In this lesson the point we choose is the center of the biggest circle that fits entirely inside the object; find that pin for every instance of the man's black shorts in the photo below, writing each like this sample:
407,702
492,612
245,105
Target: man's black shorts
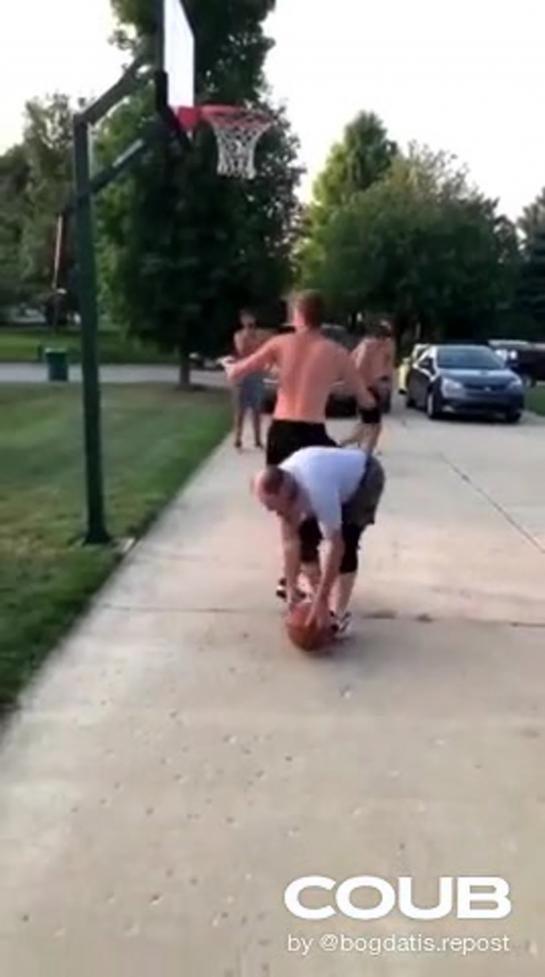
287,437
381,391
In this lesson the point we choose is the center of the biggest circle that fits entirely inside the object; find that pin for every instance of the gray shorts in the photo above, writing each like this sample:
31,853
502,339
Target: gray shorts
361,509
250,392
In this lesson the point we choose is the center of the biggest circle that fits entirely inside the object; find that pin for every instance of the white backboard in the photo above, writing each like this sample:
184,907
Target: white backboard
179,55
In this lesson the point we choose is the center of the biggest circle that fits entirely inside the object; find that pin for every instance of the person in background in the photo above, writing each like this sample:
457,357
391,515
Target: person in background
249,390
374,359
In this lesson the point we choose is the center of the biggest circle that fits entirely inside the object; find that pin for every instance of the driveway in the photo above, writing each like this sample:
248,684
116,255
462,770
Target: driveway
178,763
37,373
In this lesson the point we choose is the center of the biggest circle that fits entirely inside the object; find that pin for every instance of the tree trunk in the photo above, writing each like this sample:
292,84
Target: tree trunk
184,370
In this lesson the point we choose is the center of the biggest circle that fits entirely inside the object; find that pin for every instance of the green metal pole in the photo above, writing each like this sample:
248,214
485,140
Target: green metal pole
87,290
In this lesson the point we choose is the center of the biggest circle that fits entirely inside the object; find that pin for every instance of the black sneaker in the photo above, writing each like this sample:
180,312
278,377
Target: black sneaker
282,591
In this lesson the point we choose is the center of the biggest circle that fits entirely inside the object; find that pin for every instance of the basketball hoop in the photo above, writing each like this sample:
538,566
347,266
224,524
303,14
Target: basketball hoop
237,132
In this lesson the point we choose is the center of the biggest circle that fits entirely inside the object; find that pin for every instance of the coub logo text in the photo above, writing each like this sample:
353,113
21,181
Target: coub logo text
464,897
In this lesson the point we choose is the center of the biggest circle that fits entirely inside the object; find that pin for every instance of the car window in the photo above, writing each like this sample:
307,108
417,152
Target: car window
468,358
418,352
422,353
340,335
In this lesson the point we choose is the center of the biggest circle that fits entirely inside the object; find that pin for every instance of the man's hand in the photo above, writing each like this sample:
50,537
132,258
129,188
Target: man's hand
294,598
228,363
319,616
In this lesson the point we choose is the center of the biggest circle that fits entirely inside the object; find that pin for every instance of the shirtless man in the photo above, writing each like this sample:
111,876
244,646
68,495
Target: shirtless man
374,359
308,366
248,393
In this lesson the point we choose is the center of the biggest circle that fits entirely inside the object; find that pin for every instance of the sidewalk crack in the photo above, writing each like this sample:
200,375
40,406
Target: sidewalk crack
496,505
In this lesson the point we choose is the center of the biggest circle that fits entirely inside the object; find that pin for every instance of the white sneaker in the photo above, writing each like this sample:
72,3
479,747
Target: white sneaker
342,625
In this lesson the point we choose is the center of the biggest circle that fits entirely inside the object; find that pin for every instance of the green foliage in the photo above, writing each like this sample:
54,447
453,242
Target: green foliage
229,41
533,219
181,248
13,183
359,160
421,243
46,575
531,286
47,148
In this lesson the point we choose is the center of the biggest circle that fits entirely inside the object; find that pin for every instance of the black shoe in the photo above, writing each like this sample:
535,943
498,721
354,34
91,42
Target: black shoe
282,592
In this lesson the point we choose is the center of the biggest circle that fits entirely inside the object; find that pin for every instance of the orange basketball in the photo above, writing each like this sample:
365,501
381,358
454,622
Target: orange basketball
303,636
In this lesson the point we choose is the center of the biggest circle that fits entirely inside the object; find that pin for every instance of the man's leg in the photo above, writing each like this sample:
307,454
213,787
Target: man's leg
374,437
344,585
358,515
239,412
374,430
311,537
256,418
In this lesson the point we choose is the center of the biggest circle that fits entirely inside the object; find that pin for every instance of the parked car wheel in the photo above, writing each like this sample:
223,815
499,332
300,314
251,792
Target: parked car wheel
513,417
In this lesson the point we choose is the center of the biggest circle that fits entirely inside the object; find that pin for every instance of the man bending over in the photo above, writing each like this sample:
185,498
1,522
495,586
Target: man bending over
339,487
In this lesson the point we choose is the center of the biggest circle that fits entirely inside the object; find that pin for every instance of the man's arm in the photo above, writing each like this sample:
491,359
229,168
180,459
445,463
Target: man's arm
360,356
263,358
352,377
363,432
333,555
292,557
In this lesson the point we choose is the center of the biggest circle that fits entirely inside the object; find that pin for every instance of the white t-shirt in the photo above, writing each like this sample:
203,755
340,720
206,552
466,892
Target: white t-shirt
328,477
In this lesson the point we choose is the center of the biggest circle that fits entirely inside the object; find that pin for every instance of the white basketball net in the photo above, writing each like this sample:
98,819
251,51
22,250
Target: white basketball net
237,136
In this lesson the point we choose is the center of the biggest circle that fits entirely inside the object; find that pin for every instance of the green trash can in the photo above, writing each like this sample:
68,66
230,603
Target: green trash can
57,365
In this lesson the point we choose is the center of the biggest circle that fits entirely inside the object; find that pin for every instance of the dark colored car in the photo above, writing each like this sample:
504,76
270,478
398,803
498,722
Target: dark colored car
524,358
464,380
342,402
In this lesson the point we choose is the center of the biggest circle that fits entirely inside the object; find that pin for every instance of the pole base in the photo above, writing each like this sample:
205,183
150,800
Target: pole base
97,537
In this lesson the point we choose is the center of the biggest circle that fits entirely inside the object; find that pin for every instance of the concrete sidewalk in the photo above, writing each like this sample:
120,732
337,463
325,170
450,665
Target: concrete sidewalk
178,763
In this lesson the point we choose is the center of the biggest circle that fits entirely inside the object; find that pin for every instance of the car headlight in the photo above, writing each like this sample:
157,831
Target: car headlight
516,384
451,387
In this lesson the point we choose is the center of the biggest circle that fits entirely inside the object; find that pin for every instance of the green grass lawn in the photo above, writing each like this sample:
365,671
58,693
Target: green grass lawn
154,437
23,346
536,399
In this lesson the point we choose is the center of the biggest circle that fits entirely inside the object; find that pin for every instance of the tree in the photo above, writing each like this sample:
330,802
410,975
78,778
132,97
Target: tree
423,245
47,145
13,183
181,248
533,219
230,44
531,285
362,157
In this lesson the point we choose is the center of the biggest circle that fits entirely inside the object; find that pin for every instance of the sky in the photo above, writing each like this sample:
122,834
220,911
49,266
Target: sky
464,76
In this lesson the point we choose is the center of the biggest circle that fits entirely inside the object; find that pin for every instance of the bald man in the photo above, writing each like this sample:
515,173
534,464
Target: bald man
339,487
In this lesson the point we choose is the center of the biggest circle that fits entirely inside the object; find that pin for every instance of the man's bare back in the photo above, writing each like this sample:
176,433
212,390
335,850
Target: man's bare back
308,365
